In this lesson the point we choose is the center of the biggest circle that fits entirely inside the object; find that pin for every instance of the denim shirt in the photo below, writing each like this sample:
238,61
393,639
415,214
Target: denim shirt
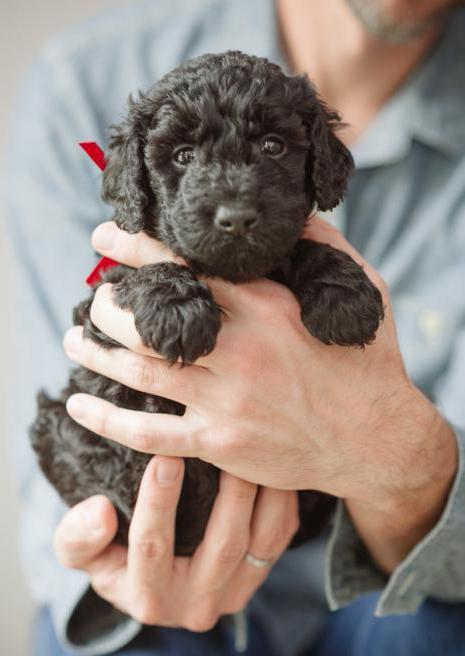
405,212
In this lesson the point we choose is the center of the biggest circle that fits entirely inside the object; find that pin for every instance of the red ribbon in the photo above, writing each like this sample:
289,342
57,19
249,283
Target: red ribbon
97,155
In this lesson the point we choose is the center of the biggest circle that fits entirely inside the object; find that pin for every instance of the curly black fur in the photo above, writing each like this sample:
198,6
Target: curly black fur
233,209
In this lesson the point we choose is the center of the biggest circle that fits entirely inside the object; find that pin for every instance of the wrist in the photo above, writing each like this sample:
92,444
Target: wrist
414,452
428,459
392,521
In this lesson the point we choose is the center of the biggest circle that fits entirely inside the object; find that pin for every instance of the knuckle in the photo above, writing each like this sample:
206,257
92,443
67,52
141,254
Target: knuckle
145,611
237,404
231,552
104,421
201,621
140,373
142,435
271,546
224,440
242,491
150,548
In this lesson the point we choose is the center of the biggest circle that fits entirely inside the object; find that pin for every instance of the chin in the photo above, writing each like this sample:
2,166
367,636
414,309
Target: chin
398,21
235,266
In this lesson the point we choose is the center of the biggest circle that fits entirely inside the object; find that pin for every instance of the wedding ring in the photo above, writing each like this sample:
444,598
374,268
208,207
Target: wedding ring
257,562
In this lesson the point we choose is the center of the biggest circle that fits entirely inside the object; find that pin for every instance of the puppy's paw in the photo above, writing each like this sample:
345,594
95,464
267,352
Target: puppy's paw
182,330
339,303
174,313
348,314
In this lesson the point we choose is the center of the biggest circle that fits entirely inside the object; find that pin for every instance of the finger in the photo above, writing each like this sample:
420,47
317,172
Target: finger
152,530
275,521
108,576
85,531
227,534
115,322
146,432
119,325
139,372
139,249
135,250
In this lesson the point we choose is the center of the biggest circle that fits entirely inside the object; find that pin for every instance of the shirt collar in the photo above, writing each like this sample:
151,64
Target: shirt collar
429,107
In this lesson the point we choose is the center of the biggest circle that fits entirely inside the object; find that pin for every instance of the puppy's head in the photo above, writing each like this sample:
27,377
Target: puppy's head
223,160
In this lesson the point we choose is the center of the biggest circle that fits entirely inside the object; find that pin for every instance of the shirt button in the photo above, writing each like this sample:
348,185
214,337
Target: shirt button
431,323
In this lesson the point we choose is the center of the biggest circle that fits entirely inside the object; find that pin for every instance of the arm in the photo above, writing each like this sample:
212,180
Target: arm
318,422
52,197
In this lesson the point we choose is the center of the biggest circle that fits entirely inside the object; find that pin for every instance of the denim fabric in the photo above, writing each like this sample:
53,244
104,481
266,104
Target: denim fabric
438,629
153,641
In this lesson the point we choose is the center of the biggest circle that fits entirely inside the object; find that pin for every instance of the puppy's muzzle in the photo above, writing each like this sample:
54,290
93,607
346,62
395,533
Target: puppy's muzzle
235,220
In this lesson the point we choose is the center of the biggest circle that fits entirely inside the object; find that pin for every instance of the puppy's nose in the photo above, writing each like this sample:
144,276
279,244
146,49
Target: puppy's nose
235,220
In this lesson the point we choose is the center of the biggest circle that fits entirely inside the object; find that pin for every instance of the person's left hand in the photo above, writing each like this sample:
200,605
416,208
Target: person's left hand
271,404
146,580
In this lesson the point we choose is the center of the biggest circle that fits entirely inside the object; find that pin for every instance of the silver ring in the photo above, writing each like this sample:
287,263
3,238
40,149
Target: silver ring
257,562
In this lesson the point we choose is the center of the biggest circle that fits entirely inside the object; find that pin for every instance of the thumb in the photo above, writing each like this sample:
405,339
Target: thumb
132,249
85,531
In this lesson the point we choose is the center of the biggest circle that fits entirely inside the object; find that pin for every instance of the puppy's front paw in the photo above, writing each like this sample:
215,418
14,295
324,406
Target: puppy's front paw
174,313
347,312
339,303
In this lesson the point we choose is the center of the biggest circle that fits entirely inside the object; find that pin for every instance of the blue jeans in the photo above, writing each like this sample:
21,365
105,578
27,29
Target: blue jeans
437,629
158,641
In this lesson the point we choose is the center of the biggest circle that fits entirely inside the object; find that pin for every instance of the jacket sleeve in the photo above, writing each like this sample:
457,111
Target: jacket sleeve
52,204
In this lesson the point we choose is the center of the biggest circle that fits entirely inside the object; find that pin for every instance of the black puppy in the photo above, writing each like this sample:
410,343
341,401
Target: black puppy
222,160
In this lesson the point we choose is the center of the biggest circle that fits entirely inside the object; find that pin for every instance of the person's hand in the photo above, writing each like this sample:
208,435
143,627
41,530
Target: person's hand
273,405
146,581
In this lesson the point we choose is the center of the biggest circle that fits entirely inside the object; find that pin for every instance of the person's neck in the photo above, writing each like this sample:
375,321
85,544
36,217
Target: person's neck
353,71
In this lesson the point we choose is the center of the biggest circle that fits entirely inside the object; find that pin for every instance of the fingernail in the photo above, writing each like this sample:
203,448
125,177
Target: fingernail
76,406
93,514
167,472
104,236
72,341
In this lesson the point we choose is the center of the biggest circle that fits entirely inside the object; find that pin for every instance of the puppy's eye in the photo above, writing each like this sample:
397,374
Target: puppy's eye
273,146
184,155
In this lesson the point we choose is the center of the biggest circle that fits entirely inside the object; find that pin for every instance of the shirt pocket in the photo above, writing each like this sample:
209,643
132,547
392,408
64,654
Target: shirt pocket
426,329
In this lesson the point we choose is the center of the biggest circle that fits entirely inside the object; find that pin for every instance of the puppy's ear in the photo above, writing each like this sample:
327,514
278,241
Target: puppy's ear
125,181
329,163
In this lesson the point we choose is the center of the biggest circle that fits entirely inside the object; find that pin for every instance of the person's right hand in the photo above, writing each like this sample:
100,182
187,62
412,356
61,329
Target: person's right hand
146,580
